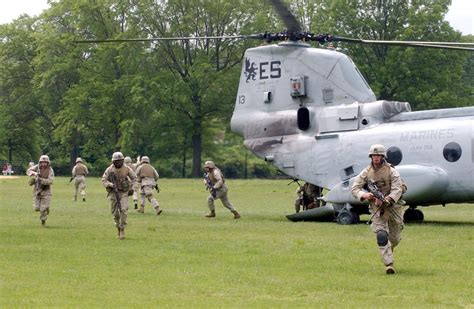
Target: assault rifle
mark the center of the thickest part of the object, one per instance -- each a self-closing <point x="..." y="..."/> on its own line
<point x="372" y="187"/>
<point x="294" y="180"/>
<point x="113" y="177"/>
<point x="209" y="185"/>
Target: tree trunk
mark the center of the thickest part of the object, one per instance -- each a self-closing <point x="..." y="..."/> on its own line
<point x="197" y="149"/>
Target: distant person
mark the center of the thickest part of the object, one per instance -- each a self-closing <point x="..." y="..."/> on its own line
<point x="147" y="179"/>
<point x="41" y="178"/>
<point x="215" y="183"/>
<point x="9" y="169"/>
<point x="118" y="179"/>
<point x="136" y="188"/>
<point x="387" y="220"/>
<point x="79" y="173"/>
<point x="5" y="169"/>
<point x="307" y="197"/>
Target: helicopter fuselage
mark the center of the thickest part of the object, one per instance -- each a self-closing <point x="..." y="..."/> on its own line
<point x="311" y="114"/>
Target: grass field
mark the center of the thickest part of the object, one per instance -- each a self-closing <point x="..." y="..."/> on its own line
<point x="181" y="259"/>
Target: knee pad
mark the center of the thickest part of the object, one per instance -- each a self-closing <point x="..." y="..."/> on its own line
<point x="382" y="238"/>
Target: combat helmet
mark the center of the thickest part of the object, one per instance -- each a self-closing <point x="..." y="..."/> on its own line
<point x="117" y="156"/>
<point x="128" y="160"/>
<point x="145" y="159"/>
<point x="78" y="160"/>
<point x="209" y="164"/>
<point x="377" y="149"/>
<point x="44" y="158"/>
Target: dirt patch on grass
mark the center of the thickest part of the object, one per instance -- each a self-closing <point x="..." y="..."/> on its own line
<point x="8" y="177"/>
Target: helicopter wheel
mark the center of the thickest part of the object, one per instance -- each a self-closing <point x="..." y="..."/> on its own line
<point x="346" y="217"/>
<point x="413" y="215"/>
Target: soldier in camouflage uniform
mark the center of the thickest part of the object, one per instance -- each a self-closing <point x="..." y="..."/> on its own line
<point x="147" y="178"/>
<point x="79" y="173"/>
<point x="387" y="221"/>
<point x="215" y="183"/>
<point x="41" y="178"/>
<point x="136" y="188"/>
<point x="119" y="179"/>
<point x="308" y="195"/>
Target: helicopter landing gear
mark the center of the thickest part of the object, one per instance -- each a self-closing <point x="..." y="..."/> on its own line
<point x="346" y="216"/>
<point x="413" y="215"/>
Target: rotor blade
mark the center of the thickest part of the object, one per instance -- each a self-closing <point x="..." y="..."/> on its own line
<point x="440" y="45"/>
<point x="288" y="18"/>
<point x="257" y="36"/>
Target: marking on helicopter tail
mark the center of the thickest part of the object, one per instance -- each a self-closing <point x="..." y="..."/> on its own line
<point x="264" y="70"/>
<point x="250" y="70"/>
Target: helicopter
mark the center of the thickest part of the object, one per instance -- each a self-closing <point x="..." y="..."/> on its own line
<point x="309" y="112"/>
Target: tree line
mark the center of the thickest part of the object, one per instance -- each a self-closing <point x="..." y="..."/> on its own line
<point x="172" y="100"/>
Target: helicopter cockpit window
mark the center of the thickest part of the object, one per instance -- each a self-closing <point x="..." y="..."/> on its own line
<point x="452" y="152"/>
<point x="394" y="155"/>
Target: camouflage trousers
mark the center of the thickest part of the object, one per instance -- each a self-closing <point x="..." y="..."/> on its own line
<point x="390" y="220"/>
<point x="221" y="194"/>
<point x="120" y="215"/>
<point x="41" y="204"/>
<point x="80" y="185"/>
<point x="147" y="191"/>
<point x="136" y="188"/>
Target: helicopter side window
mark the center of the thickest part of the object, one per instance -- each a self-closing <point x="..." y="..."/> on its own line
<point x="452" y="152"/>
<point x="394" y="155"/>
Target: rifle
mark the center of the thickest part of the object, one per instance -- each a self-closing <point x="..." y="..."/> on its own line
<point x="372" y="187"/>
<point x="71" y="179"/>
<point x="294" y="180"/>
<point x="113" y="177"/>
<point x="209" y="185"/>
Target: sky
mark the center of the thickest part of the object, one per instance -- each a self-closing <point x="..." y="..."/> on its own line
<point x="460" y="15"/>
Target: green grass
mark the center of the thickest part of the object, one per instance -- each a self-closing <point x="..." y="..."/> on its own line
<point x="181" y="259"/>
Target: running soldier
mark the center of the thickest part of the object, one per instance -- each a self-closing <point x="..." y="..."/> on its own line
<point x="41" y="178"/>
<point x="215" y="183"/>
<point x="136" y="188"/>
<point x="118" y="179"/>
<point x="147" y="178"/>
<point x="387" y="220"/>
<point x="307" y="196"/>
<point x="79" y="173"/>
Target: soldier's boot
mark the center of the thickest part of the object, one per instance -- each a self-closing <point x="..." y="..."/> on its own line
<point x="141" y="209"/>
<point x="43" y="223"/>
<point x="236" y="214"/>
<point x="158" y="211"/>
<point x="297" y="208"/>
<point x="75" y="198"/>
<point x="118" y="233"/>
<point x="389" y="269"/>
<point x="83" y="198"/>
<point x="211" y="214"/>
<point x="136" y="205"/>
<point x="122" y="234"/>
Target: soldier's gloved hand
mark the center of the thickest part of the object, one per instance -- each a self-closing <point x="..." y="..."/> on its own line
<point x="389" y="201"/>
<point x="110" y="184"/>
<point x="368" y="196"/>
<point x="130" y="192"/>
<point x="378" y="202"/>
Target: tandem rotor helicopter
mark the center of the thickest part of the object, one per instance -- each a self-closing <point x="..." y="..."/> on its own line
<point x="310" y="113"/>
